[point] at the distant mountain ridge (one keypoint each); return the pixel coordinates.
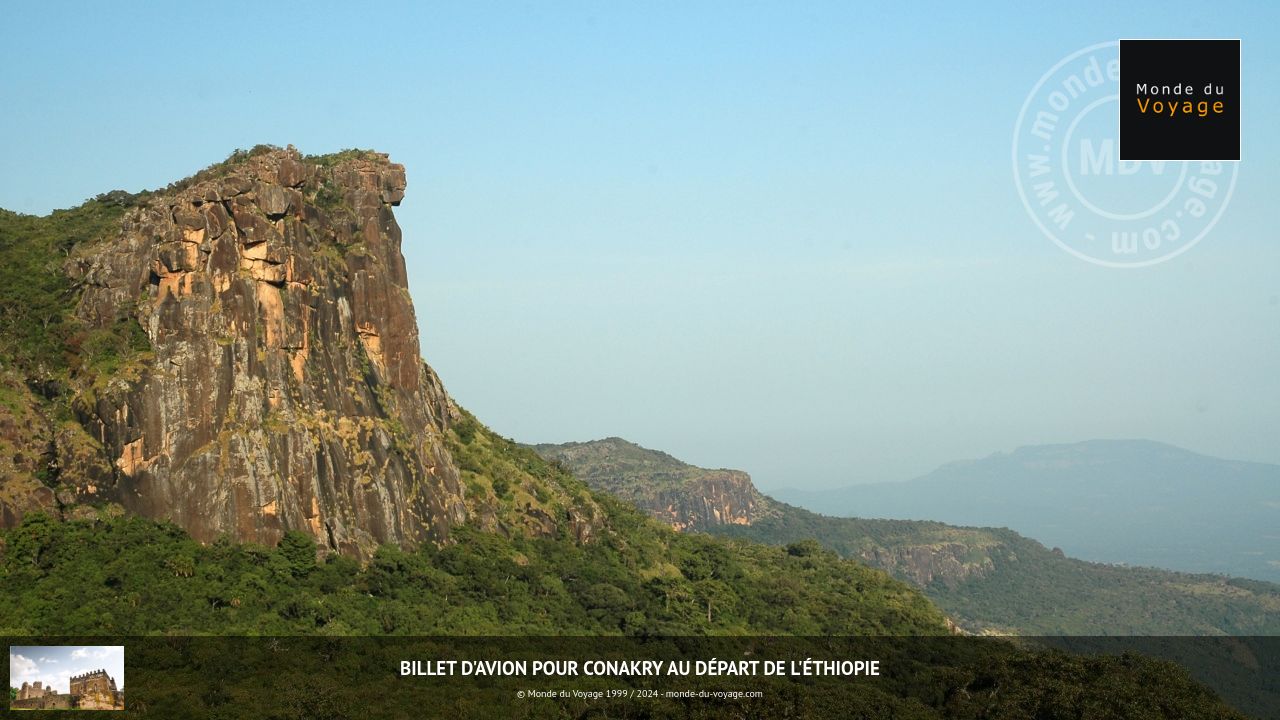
(987, 579)
(1135, 502)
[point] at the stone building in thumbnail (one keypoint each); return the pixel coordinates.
(91, 691)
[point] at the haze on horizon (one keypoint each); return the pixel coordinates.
(779, 240)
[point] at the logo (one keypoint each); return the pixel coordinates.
(1073, 184)
(1180, 99)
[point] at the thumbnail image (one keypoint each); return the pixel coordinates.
(66, 677)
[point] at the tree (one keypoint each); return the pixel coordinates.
(715, 595)
(299, 549)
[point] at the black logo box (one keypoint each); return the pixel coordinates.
(1187, 68)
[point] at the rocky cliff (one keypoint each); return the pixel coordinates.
(681, 495)
(946, 563)
(243, 360)
(283, 387)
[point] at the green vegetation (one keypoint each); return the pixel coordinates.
(38, 333)
(988, 580)
(127, 576)
(236, 158)
(553, 559)
(1030, 590)
(132, 576)
(50, 359)
(1037, 591)
(623, 468)
(513, 484)
(135, 576)
(1119, 501)
(329, 160)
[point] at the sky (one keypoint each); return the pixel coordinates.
(781, 237)
(53, 665)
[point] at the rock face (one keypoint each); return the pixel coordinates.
(682, 495)
(948, 564)
(715, 497)
(283, 388)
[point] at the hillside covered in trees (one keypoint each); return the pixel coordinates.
(988, 580)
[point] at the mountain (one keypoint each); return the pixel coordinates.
(200, 392)
(237, 354)
(986, 579)
(1117, 501)
(191, 375)
(214, 420)
(678, 494)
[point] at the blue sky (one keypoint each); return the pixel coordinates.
(783, 237)
(53, 665)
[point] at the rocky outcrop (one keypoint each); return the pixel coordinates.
(683, 496)
(283, 387)
(713, 497)
(948, 564)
